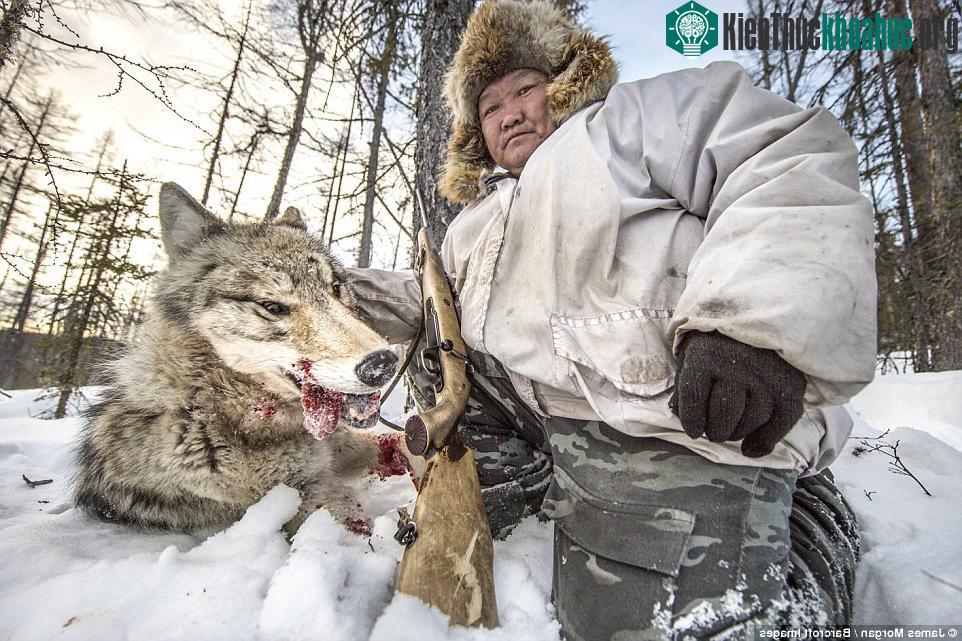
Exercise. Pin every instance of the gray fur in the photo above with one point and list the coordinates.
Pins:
(200, 418)
(292, 218)
(184, 221)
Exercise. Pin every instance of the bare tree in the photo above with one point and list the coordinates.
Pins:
(50, 222)
(902, 110)
(35, 135)
(444, 21)
(93, 308)
(310, 18)
(228, 95)
(81, 218)
(383, 67)
(940, 108)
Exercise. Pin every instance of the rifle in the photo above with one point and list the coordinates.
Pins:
(448, 559)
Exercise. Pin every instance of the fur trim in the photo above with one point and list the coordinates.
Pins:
(503, 36)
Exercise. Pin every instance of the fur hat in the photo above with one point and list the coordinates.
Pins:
(503, 36)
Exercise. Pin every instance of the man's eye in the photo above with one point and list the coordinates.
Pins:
(490, 110)
(525, 89)
(278, 309)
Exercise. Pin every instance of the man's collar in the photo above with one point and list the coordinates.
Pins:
(497, 175)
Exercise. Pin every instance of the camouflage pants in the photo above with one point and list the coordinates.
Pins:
(653, 541)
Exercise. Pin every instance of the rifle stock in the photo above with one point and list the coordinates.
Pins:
(450, 564)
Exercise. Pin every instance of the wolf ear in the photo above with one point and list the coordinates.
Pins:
(291, 218)
(184, 222)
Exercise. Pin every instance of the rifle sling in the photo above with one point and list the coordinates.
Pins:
(397, 377)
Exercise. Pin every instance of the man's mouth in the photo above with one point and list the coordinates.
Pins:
(516, 135)
(324, 407)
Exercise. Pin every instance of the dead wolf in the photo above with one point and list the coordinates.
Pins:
(252, 369)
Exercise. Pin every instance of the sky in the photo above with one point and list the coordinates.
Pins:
(636, 29)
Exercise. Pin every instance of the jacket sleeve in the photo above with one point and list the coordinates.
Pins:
(389, 302)
(787, 260)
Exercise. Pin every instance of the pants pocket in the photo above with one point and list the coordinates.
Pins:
(615, 563)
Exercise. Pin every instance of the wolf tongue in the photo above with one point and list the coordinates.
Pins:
(322, 408)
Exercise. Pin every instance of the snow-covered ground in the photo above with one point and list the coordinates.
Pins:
(65, 575)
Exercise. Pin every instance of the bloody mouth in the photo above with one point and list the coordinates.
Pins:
(324, 408)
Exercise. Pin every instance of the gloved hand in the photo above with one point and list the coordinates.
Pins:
(729, 391)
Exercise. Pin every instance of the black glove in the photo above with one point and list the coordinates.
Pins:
(729, 391)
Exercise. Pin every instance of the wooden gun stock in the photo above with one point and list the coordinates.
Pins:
(450, 563)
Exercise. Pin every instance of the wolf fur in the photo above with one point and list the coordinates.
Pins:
(201, 417)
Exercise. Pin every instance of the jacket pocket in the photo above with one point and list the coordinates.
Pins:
(628, 348)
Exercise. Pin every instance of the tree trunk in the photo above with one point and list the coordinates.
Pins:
(340, 172)
(255, 139)
(223, 113)
(340, 149)
(941, 112)
(310, 64)
(916, 264)
(21, 65)
(918, 176)
(794, 79)
(444, 21)
(26, 301)
(58, 301)
(15, 333)
(384, 67)
(102, 327)
(18, 184)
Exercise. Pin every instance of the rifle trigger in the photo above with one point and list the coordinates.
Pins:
(407, 530)
(447, 346)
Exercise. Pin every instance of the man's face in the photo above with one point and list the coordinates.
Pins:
(514, 117)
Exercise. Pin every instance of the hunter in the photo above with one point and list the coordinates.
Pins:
(668, 288)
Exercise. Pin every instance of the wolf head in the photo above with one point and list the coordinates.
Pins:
(271, 301)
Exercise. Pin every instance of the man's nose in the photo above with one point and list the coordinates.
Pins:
(511, 118)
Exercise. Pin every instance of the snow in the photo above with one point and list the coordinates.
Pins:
(929, 402)
(64, 574)
(911, 569)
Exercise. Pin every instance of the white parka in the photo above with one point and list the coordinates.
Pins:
(692, 201)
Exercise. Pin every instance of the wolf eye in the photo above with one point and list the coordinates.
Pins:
(278, 309)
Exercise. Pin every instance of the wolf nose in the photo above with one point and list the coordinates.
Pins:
(376, 369)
